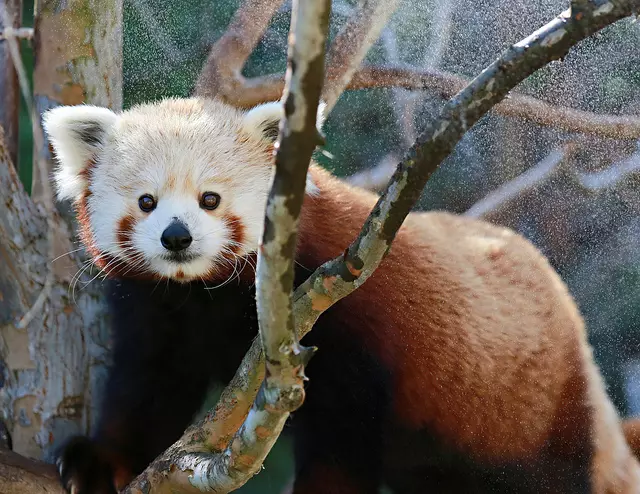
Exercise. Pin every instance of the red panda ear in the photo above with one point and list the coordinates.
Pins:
(262, 121)
(77, 134)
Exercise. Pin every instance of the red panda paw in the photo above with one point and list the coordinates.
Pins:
(83, 469)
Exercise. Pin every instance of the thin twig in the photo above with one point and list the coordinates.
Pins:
(18, 33)
(376, 177)
(47, 194)
(612, 176)
(522, 184)
(283, 389)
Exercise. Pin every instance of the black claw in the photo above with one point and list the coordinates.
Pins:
(83, 469)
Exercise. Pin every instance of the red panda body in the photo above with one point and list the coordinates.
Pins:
(461, 365)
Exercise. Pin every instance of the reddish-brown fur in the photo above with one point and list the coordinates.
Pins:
(632, 433)
(236, 229)
(484, 342)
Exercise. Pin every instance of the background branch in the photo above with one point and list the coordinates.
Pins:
(222, 72)
(529, 181)
(351, 45)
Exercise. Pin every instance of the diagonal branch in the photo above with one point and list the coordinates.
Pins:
(351, 45)
(221, 74)
(502, 198)
(282, 391)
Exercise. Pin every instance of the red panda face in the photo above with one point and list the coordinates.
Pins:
(175, 189)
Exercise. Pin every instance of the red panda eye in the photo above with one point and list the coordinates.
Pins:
(147, 203)
(210, 200)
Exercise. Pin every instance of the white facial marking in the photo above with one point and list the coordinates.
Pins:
(174, 150)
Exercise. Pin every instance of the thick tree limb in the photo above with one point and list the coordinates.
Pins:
(53, 348)
(283, 389)
(339, 277)
(20, 475)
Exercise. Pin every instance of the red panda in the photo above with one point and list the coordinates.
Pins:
(461, 365)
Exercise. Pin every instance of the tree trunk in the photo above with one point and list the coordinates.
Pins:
(54, 367)
(9, 89)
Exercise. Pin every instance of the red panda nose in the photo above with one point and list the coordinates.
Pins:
(176, 237)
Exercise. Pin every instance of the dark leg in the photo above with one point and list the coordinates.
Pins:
(164, 359)
(339, 429)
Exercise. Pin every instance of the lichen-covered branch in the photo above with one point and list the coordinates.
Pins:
(285, 358)
(351, 45)
(339, 277)
(282, 390)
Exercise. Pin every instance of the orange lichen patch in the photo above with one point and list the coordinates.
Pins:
(67, 310)
(262, 432)
(328, 282)
(229, 416)
(320, 302)
(353, 270)
(246, 460)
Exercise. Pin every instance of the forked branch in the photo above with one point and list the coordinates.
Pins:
(282, 390)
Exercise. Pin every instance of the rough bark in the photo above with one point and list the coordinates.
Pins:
(20, 475)
(53, 368)
(9, 89)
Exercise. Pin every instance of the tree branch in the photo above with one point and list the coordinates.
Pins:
(339, 277)
(20, 475)
(534, 177)
(222, 72)
(283, 389)
(9, 89)
(518, 105)
(351, 45)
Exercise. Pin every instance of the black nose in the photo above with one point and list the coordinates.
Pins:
(176, 237)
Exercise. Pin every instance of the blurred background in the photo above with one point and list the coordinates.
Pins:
(574, 195)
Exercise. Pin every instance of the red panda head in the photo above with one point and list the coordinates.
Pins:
(174, 189)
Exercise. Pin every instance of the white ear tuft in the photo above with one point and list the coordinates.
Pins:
(262, 121)
(76, 133)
